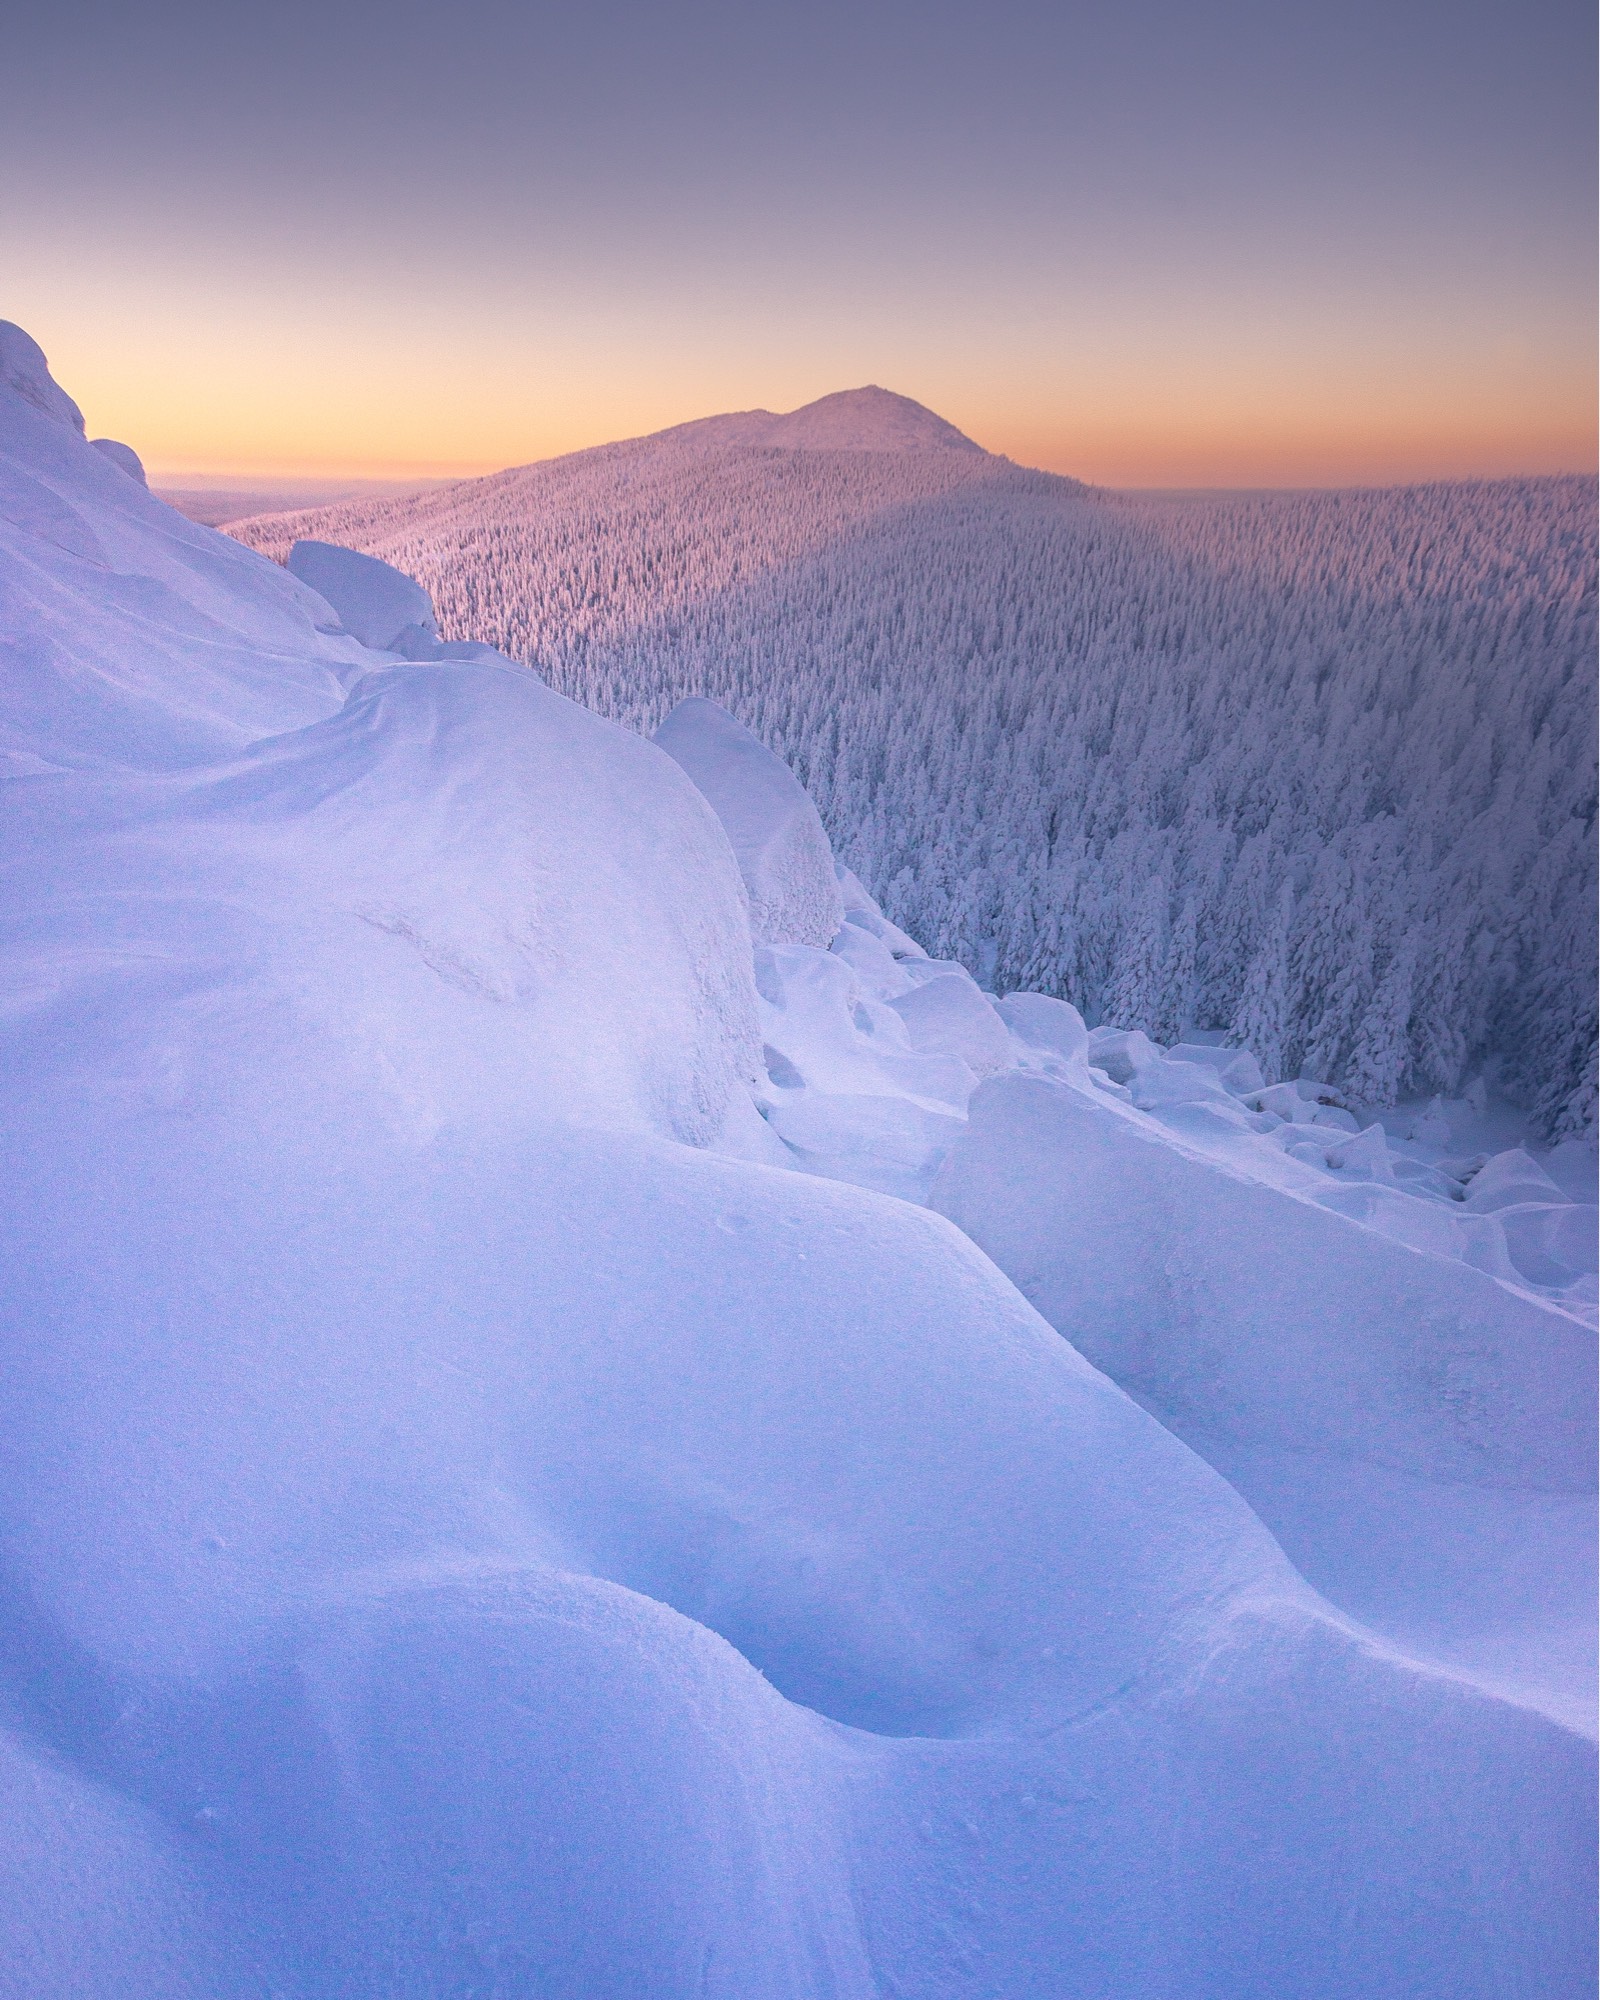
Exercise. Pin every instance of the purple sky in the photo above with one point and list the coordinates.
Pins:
(1159, 243)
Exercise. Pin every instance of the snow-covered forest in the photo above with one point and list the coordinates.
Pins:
(1316, 769)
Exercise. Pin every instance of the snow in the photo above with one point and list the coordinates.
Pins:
(122, 455)
(369, 600)
(777, 838)
(869, 419)
(1495, 1584)
(1313, 772)
(507, 1487)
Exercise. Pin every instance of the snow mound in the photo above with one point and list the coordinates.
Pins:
(777, 838)
(869, 419)
(370, 600)
(1265, 1316)
(122, 455)
(25, 372)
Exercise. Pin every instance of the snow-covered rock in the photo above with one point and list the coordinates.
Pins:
(1041, 1022)
(132, 639)
(370, 600)
(777, 838)
(948, 1014)
(25, 375)
(122, 455)
(1508, 1179)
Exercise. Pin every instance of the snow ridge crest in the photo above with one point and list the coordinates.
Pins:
(24, 370)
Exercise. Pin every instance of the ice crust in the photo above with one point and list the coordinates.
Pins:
(497, 1493)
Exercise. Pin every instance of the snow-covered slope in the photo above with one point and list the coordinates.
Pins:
(495, 1497)
(1315, 767)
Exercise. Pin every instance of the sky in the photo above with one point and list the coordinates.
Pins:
(1158, 243)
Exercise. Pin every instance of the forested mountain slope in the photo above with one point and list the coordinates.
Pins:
(1314, 767)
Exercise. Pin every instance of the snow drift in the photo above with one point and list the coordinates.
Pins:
(492, 1499)
(777, 839)
(371, 601)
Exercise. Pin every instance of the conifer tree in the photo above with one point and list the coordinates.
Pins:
(1260, 1022)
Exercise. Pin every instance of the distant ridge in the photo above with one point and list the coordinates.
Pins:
(869, 419)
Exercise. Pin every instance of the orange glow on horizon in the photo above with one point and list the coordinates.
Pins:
(1103, 453)
(1128, 447)
(226, 404)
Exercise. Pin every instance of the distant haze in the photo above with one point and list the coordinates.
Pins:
(1159, 244)
(215, 502)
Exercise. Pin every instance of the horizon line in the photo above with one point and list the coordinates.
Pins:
(374, 477)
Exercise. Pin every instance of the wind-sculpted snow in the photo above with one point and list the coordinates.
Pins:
(773, 828)
(123, 456)
(371, 601)
(492, 1500)
(1316, 768)
(129, 638)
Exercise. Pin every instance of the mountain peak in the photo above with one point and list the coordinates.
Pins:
(867, 419)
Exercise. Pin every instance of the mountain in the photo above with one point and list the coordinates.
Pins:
(546, 1444)
(869, 419)
(1315, 771)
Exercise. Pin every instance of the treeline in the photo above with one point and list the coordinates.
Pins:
(1315, 768)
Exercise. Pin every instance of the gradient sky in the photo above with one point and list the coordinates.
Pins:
(1161, 242)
